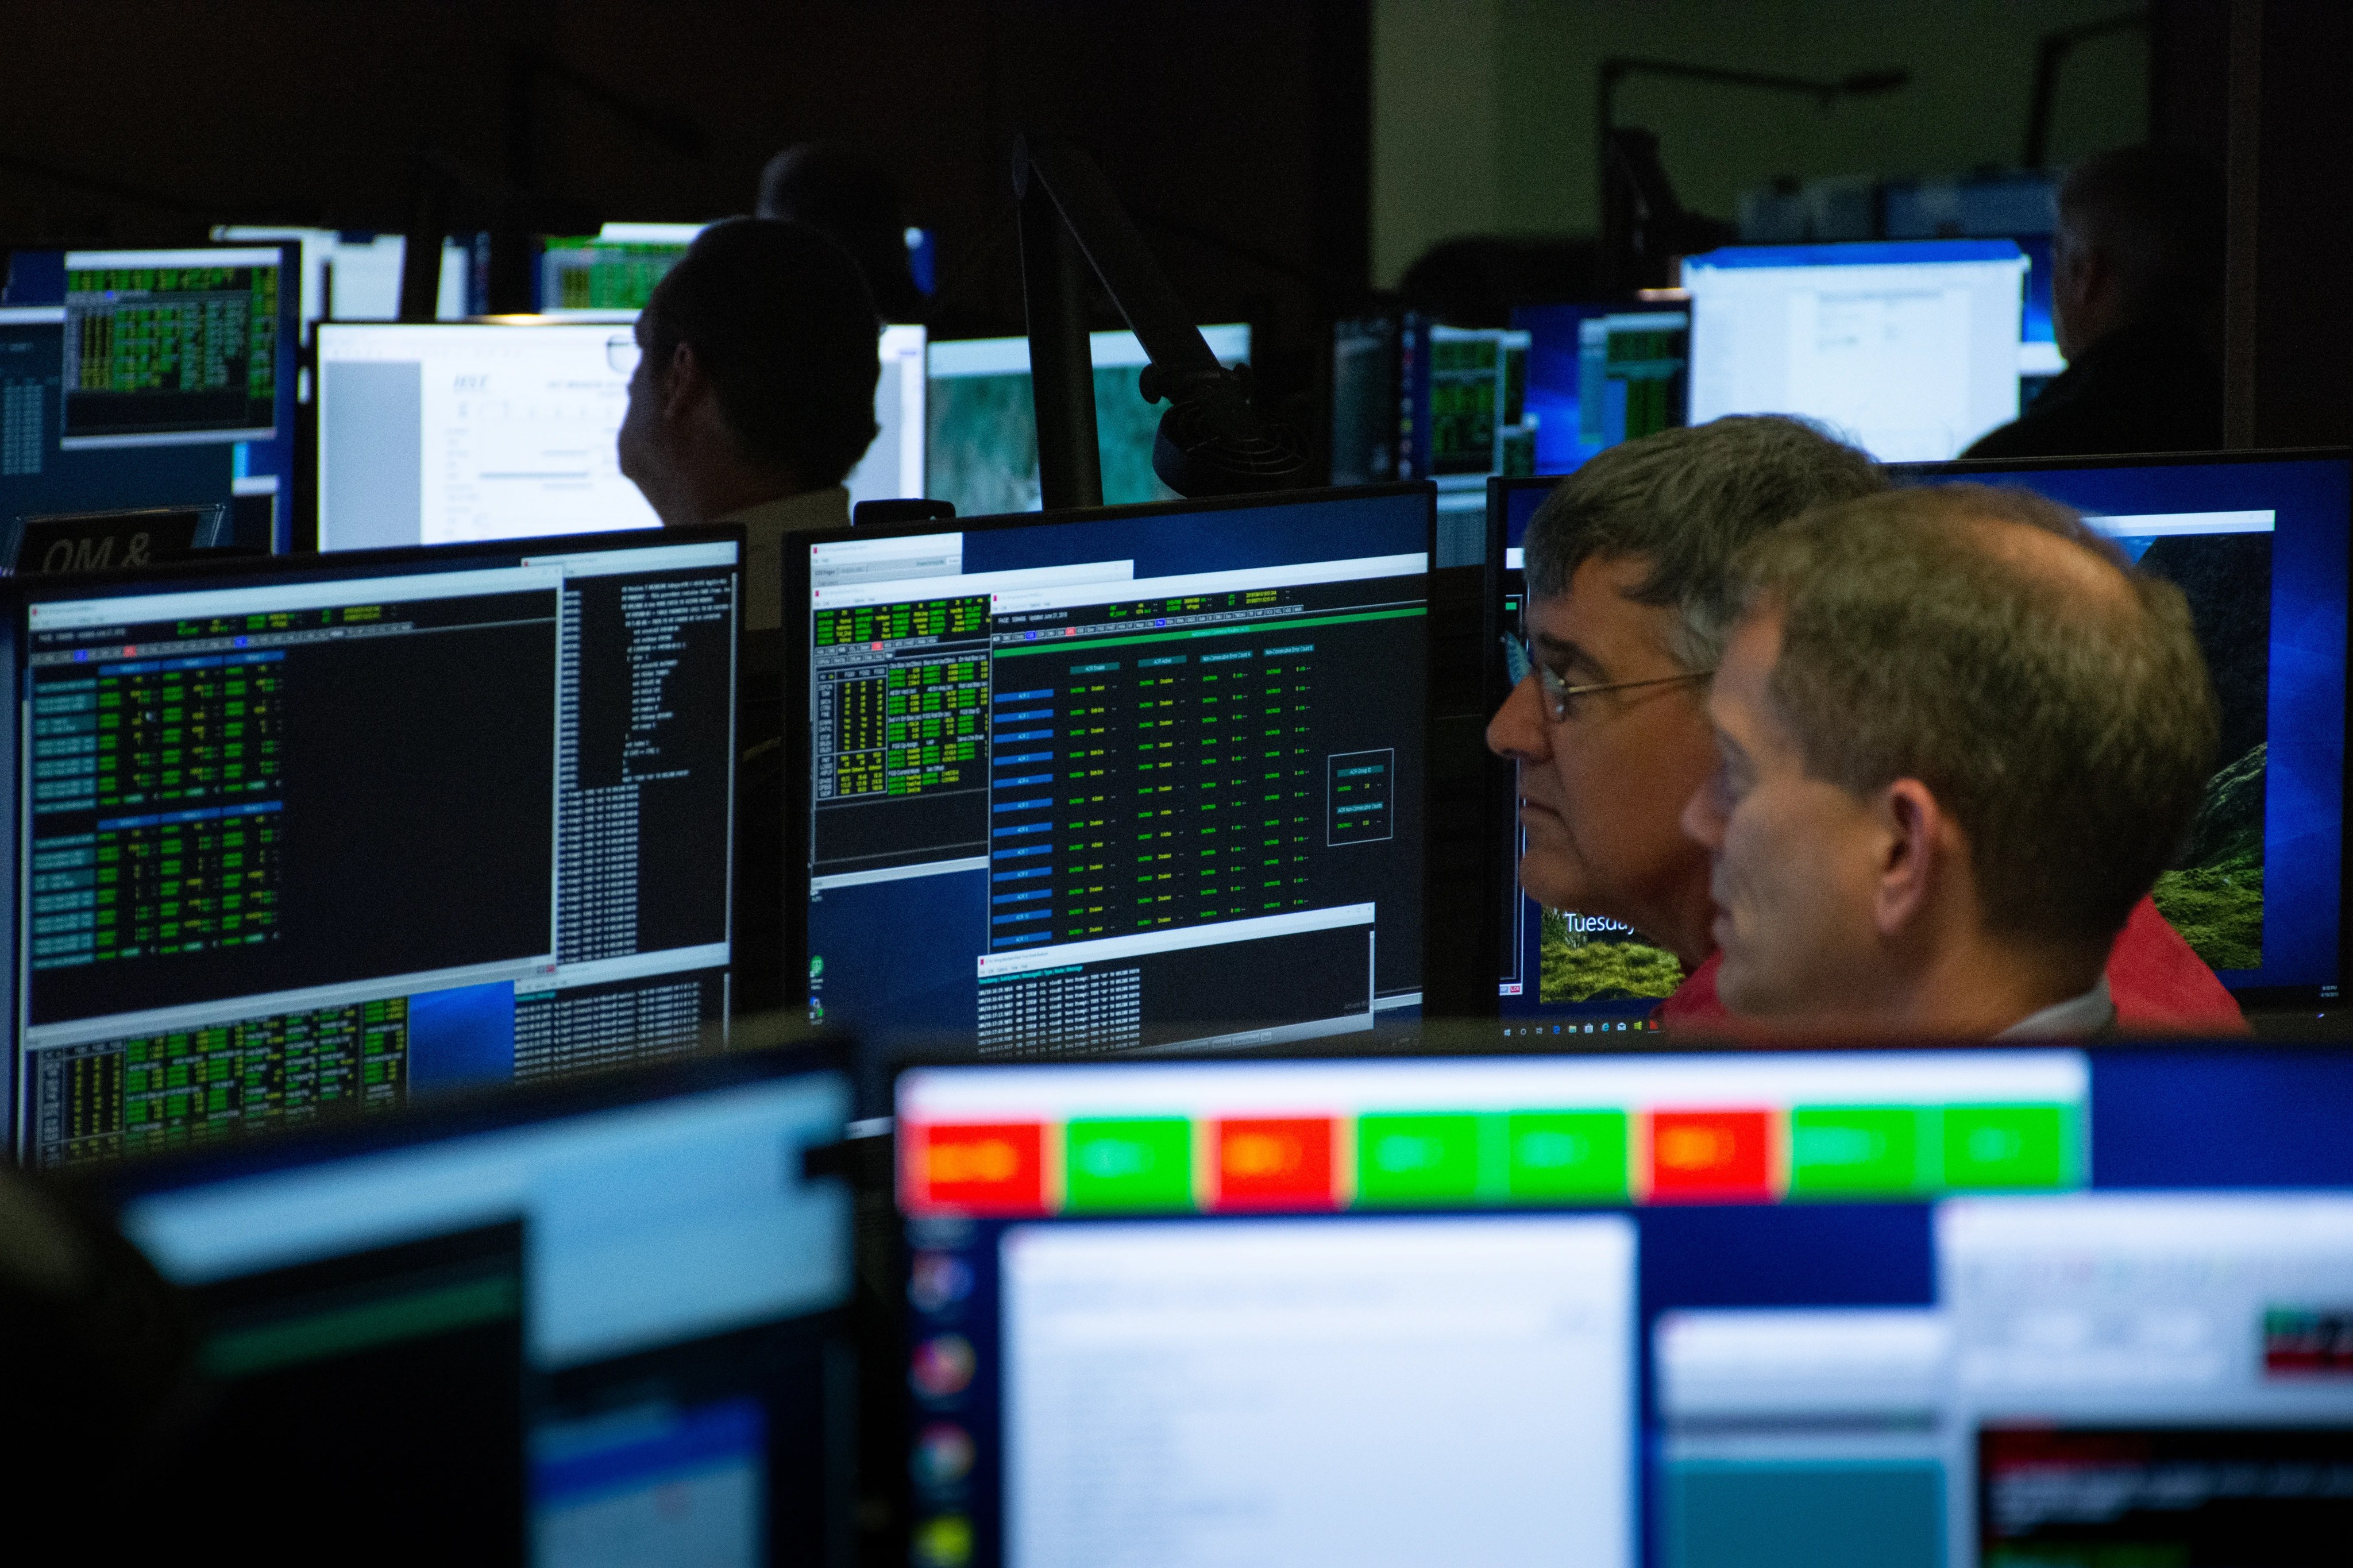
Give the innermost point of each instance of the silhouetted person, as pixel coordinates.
(755, 394)
(752, 402)
(853, 201)
(2135, 289)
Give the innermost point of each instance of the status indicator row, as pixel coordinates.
(1472, 1158)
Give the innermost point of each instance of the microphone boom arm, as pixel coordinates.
(1211, 441)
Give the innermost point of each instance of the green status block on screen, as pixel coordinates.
(1129, 1162)
(1578, 1155)
(2008, 1146)
(1421, 1158)
(1852, 1151)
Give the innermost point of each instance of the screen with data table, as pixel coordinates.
(1120, 780)
(299, 839)
(1917, 1308)
(151, 378)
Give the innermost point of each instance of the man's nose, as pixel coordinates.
(1518, 730)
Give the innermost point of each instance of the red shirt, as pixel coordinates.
(2159, 982)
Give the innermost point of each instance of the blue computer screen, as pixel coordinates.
(148, 378)
(1914, 1307)
(1085, 785)
(2260, 547)
(1600, 375)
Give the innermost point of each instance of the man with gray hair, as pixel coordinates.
(1959, 738)
(1627, 564)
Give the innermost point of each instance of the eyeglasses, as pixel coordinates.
(621, 352)
(1522, 663)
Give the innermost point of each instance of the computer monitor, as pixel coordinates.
(1907, 348)
(2259, 543)
(1561, 972)
(146, 378)
(317, 833)
(608, 276)
(983, 420)
(1413, 400)
(1112, 781)
(1897, 1306)
(687, 1369)
(433, 433)
(2017, 204)
(354, 276)
(1600, 375)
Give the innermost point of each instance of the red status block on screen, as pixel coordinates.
(987, 1168)
(1275, 1163)
(1711, 1155)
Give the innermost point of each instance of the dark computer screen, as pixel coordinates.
(1911, 1306)
(1563, 972)
(309, 836)
(1090, 783)
(1600, 375)
(137, 378)
(384, 1384)
(2259, 545)
(686, 1388)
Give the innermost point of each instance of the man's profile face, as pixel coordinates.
(1599, 791)
(641, 423)
(1793, 860)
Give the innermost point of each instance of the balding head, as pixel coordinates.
(1990, 645)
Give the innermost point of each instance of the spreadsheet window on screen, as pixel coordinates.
(1915, 1307)
(306, 841)
(151, 378)
(1909, 349)
(434, 434)
(1120, 775)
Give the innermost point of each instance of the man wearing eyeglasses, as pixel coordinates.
(1627, 564)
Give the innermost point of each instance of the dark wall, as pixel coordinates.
(1240, 132)
(2303, 233)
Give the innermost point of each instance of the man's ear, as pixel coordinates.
(1916, 852)
(682, 383)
